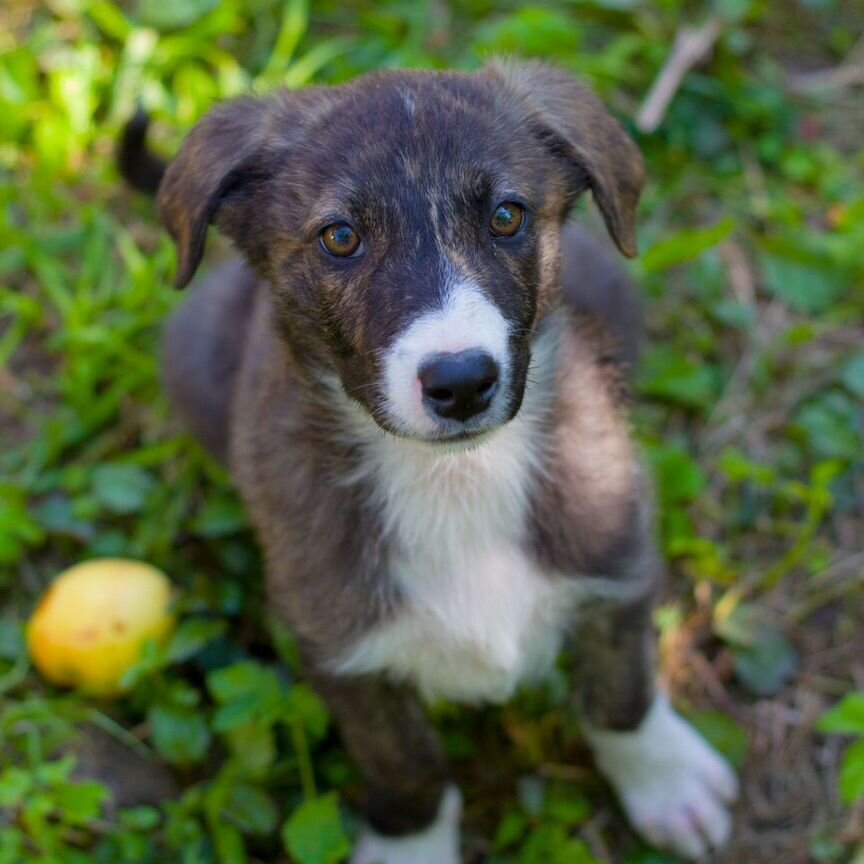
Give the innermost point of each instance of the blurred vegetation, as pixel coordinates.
(749, 406)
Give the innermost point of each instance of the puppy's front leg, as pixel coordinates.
(412, 811)
(674, 787)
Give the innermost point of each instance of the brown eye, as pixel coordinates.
(340, 240)
(507, 219)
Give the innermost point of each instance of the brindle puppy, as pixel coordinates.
(423, 412)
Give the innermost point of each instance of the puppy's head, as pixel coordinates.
(408, 224)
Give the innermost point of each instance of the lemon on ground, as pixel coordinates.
(93, 621)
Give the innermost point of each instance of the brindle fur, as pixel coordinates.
(263, 170)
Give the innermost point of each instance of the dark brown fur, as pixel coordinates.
(251, 351)
(202, 351)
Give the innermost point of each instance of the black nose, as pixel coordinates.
(458, 386)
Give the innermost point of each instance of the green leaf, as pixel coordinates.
(122, 489)
(305, 705)
(615, 5)
(11, 846)
(284, 642)
(180, 734)
(563, 805)
(314, 833)
(295, 19)
(852, 773)
(253, 746)
(733, 10)
(173, 15)
(18, 529)
(251, 809)
(150, 661)
(12, 640)
(56, 771)
(239, 680)
(191, 636)
(727, 736)
(511, 829)
(651, 856)
(738, 468)
(220, 517)
(853, 375)
(846, 717)
(765, 666)
(679, 477)
(806, 285)
(15, 785)
(551, 844)
(829, 422)
(57, 517)
(229, 843)
(36, 812)
(79, 803)
(825, 848)
(738, 623)
(141, 818)
(685, 246)
(247, 692)
(533, 30)
(669, 374)
(240, 712)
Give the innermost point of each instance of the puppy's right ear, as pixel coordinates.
(223, 157)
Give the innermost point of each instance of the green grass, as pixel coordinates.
(749, 406)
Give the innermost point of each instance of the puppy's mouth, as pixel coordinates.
(464, 440)
(439, 439)
(447, 436)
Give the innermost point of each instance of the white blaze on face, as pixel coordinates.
(466, 320)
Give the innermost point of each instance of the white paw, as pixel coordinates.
(437, 844)
(675, 788)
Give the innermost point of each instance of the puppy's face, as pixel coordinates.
(408, 224)
(417, 226)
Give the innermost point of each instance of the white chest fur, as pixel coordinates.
(478, 616)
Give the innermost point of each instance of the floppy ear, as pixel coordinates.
(221, 159)
(573, 122)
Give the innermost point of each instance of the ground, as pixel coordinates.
(748, 404)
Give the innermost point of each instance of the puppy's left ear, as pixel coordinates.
(573, 123)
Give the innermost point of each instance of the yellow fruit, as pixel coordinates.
(92, 622)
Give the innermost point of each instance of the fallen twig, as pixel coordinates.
(827, 79)
(841, 578)
(848, 74)
(691, 46)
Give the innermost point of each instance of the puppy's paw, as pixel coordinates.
(675, 788)
(437, 844)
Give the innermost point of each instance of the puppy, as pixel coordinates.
(423, 411)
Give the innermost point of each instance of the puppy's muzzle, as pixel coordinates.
(459, 386)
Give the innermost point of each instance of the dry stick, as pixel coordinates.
(690, 47)
(848, 74)
(827, 79)
(841, 578)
